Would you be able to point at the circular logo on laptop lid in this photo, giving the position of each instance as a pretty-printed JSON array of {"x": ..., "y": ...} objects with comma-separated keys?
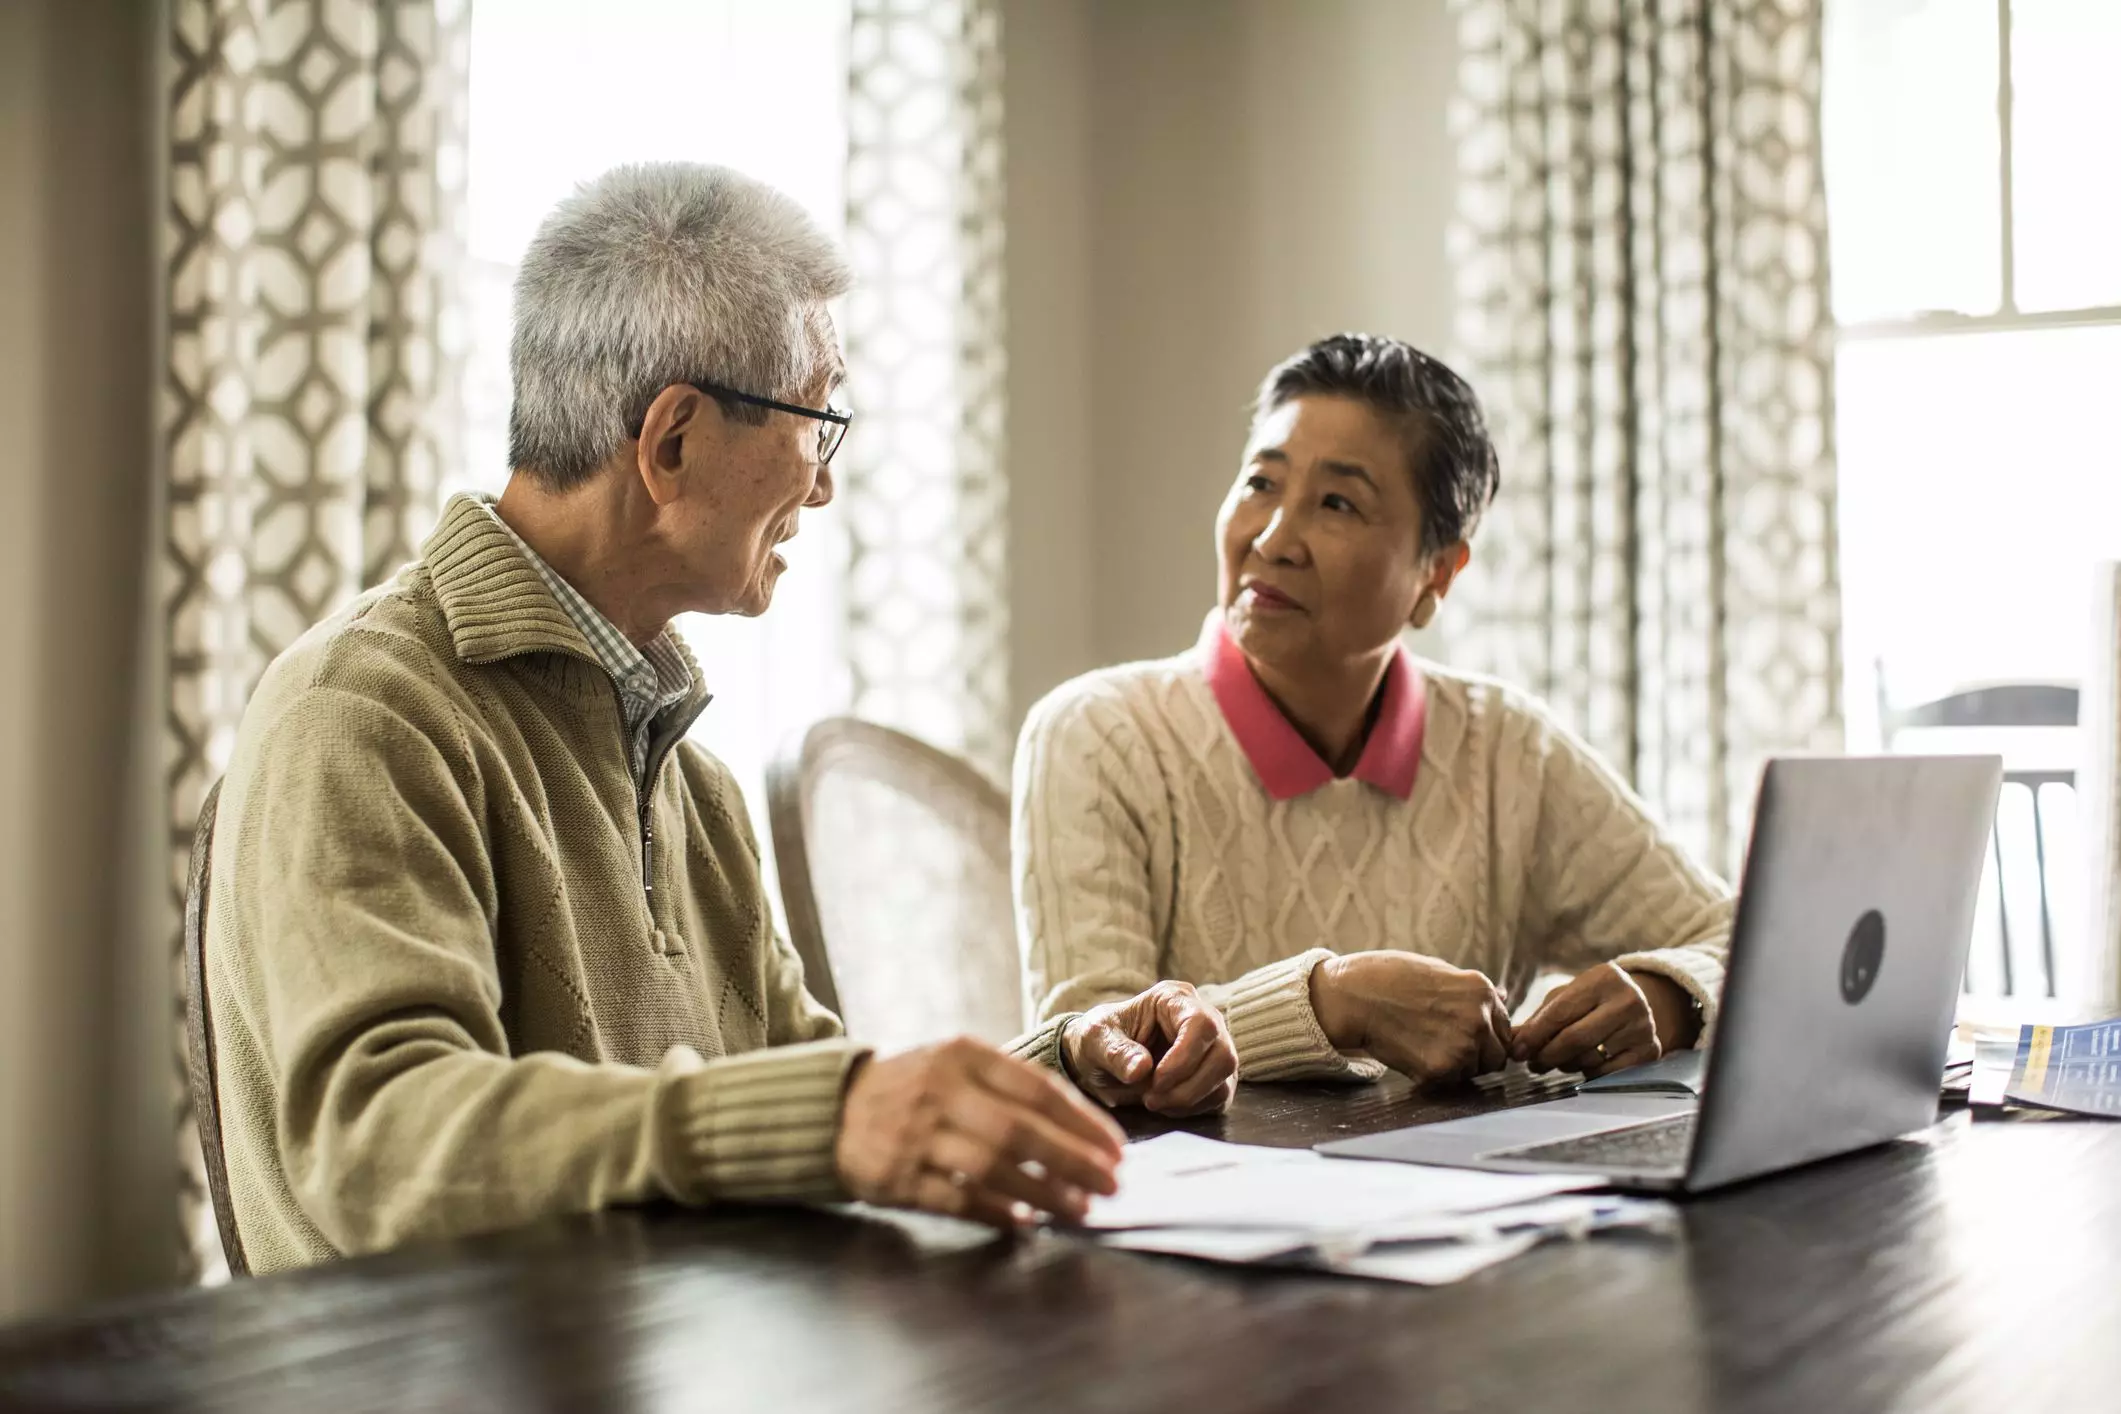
[{"x": 1862, "y": 956}]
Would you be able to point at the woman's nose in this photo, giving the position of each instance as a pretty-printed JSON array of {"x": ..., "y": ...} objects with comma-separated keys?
[{"x": 1281, "y": 540}]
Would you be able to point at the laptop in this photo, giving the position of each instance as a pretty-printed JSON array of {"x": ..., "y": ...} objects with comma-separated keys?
[{"x": 1854, "y": 918}]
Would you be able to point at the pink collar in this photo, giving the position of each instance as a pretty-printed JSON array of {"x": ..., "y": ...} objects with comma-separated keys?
[{"x": 1284, "y": 761}]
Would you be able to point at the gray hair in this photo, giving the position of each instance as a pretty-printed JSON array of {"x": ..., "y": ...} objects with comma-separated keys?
[{"x": 651, "y": 275}]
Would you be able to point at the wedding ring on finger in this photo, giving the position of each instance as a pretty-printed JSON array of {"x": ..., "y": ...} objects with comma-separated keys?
[{"x": 1602, "y": 1051}]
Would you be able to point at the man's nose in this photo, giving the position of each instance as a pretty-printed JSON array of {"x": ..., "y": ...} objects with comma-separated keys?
[{"x": 821, "y": 489}]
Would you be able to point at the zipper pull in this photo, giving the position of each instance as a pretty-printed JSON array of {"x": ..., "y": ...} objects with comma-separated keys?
[{"x": 647, "y": 856}]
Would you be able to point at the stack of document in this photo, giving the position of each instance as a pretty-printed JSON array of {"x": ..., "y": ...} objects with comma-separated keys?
[
  {"x": 1999, "y": 1061},
  {"x": 1194, "y": 1197},
  {"x": 1978, "y": 1067}
]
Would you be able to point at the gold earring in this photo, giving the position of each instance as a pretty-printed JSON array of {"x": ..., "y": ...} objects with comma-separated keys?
[{"x": 1425, "y": 608}]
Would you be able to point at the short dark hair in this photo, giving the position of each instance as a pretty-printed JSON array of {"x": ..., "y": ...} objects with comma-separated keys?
[{"x": 1449, "y": 453}]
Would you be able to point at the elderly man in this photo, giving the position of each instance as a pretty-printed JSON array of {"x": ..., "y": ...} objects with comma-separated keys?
[{"x": 489, "y": 941}]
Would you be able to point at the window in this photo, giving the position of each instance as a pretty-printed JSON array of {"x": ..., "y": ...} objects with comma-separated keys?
[
  {"x": 1975, "y": 197},
  {"x": 1976, "y": 203},
  {"x": 562, "y": 91}
]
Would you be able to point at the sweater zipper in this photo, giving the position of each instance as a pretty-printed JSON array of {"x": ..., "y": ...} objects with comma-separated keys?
[{"x": 658, "y": 751}]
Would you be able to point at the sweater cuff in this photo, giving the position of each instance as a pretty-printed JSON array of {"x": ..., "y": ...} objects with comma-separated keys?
[
  {"x": 1698, "y": 972},
  {"x": 758, "y": 1126},
  {"x": 1277, "y": 1033},
  {"x": 1043, "y": 1046}
]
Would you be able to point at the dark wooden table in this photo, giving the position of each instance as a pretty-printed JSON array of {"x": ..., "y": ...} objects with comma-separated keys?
[{"x": 1977, "y": 1267}]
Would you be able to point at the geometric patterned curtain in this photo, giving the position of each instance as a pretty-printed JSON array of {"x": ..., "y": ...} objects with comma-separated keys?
[
  {"x": 1641, "y": 250},
  {"x": 923, "y": 484},
  {"x": 316, "y": 184}
]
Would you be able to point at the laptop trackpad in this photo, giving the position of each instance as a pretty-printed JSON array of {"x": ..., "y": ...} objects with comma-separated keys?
[{"x": 1461, "y": 1140}]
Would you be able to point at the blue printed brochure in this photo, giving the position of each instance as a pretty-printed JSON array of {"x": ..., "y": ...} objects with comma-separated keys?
[{"x": 2074, "y": 1068}]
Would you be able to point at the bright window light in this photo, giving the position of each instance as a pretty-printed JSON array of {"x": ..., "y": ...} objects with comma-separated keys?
[
  {"x": 1980, "y": 297},
  {"x": 562, "y": 91}
]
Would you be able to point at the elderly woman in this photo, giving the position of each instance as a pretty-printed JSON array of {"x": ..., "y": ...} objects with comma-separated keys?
[{"x": 1364, "y": 859}]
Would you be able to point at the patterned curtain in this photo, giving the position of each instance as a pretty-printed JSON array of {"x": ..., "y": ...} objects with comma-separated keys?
[
  {"x": 1642, "y": 261},
  {"x": 316, "y": 183},
  {"x": 925, "y": 491}
]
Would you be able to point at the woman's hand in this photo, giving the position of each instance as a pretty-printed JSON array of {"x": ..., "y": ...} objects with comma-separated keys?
[
  {"x": 1165, "y": 1050},
  {"x": 1604, "y": 1020},
  {"x": 1426, "y": 1019}
]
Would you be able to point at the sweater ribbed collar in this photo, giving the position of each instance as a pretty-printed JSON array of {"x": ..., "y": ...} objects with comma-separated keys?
[{"x": 498, "y": 605}]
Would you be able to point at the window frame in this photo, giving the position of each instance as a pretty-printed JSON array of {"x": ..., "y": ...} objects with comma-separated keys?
[{"x": 2007, "y": 317}]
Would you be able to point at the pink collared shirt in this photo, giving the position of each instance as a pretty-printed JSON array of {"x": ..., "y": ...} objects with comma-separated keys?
[{"x": 1283, "y": 760}]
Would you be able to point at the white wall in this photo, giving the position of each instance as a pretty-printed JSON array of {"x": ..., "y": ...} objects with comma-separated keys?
[
  {"x": 1197, "y": 189},
  {"x": 85, "y": 999},
  {"x": 1046, "y": 116}
]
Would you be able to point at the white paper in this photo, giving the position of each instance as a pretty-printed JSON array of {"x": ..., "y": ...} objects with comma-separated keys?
[
  {"x": 1441, "y": 1263},
  {"x": 1567, "y": 1215},
  {"x": 1204, "y": 1183},
  {"x": 1179, "y": 1152},
  {"x": 1993, "y": 1063},
  {"x": 1432, "y": 1263},
  {"x": 1212, "y": 1244}
]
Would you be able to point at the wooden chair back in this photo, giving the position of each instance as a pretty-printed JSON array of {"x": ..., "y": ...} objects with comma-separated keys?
[
  {"x": 2018, "y": 854},
  {"x": 199, "y": 1034},
  {"x": 894, "y": 867}
]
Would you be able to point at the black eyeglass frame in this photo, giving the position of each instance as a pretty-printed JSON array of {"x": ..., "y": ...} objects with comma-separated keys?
[{"x": 829, "y": 415}]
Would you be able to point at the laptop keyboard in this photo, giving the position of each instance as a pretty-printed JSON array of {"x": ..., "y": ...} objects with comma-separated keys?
[{"x": 1658, "y": 1145}]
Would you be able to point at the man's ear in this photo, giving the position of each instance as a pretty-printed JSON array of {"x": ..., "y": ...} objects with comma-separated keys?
[{"x": 679, "y": 413}]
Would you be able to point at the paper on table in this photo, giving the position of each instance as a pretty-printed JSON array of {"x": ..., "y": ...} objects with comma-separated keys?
[
  {"x": 1179, "y": 1152},
  {"x": 1423, "y": 1263},
  {"x": 1211, "y": 1184},
  {"x": 1432, "y": 1263},
  {"x": 1571, "y": 1215},
  {"x": 1212, "y": 1244},
  {"x": 1992, "y": 1073},
  {"x": 1566, "y": 1214}
]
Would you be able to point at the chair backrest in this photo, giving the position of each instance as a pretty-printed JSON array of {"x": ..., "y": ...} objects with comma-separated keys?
[
  {"x": 199, "y": 1034},
  {"x": 894, "y": 865},
  {"x": 2028, "y": 816},
  {"x": 2011, "y": 704}
]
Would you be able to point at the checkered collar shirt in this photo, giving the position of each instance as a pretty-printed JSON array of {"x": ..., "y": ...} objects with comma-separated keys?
[{"x": 650, "y": 680}]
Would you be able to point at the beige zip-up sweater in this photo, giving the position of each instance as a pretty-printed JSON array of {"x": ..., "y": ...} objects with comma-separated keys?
[
  {"x": 449, "y": 994},
  {"x": 1147, "y": 846}
]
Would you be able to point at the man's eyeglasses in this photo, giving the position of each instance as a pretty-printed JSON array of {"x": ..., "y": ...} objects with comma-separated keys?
[{"x": 832, "y": 422}]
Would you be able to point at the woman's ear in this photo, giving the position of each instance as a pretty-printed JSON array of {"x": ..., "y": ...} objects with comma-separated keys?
[{"x": 1444, "y": 569}]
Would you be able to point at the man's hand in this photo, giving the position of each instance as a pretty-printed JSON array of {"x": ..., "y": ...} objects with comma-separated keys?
[
  {"x": 1604, "y": 1020},
  {"x": 1165, "y": 1050},
  {"x": 1426, "y": 1019},
  {"x": 961, "y": 1129}
]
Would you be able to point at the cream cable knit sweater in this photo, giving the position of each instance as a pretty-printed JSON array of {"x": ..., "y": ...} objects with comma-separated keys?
[{"x": 1146, "y": 848}]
